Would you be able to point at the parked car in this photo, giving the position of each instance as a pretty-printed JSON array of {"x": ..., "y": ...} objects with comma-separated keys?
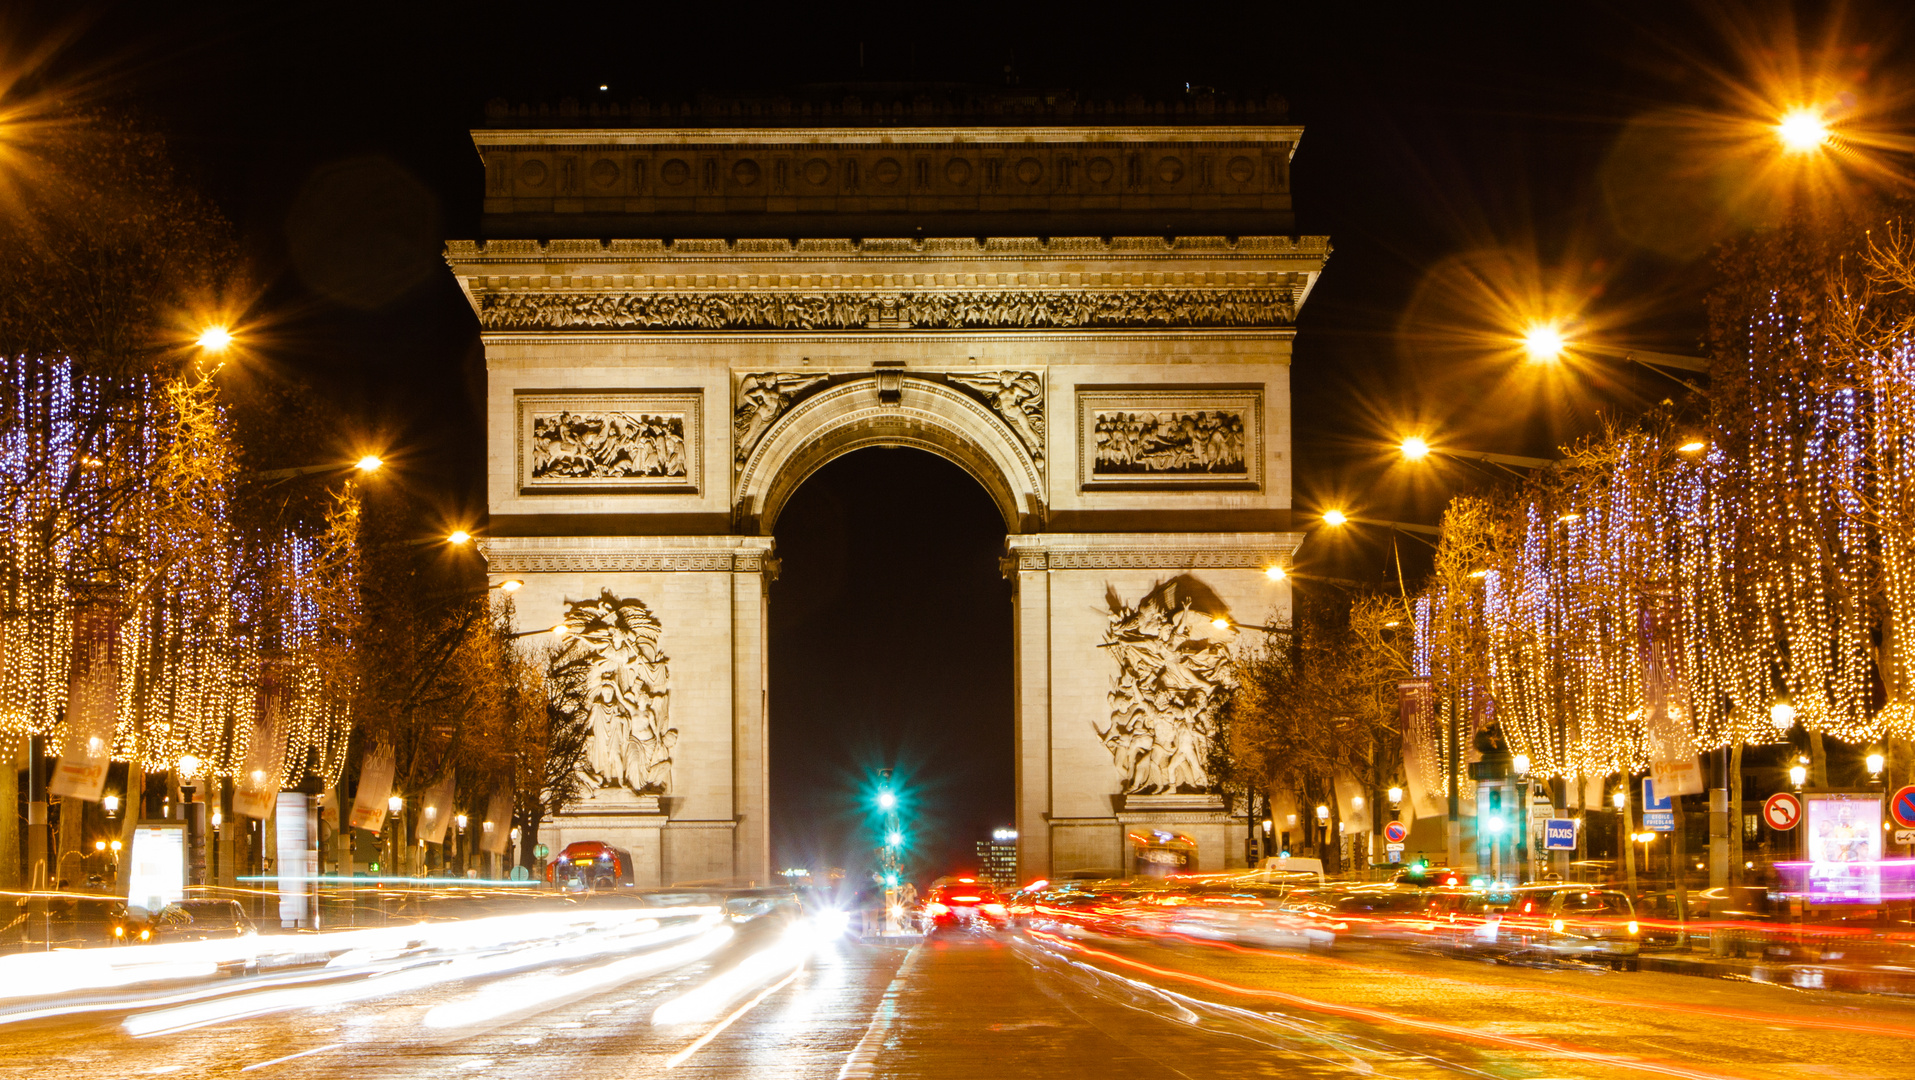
[{"x": 188, "y": 920}]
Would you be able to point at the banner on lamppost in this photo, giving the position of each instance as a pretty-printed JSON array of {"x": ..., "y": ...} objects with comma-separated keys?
[
  {"x": 375, "y": 787},
  {"x": 498, "y": 823},
  {"x": 256, "y": 788},
  {"x": 1665, "y": 698},
  {"x": 435, "y": 811},
  {"x": 92, "y": 707},
  {"x": 1416, "y": 715}
]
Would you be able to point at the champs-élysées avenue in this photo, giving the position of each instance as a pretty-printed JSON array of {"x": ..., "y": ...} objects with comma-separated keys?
[{"x": 860, "y": 542}]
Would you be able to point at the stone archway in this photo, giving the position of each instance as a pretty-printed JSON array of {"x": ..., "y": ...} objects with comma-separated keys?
[{"x": 916, "y": 413}]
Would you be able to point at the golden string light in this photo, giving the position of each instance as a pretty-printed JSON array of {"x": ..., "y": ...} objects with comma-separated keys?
[{"x": 116, "y": 504}]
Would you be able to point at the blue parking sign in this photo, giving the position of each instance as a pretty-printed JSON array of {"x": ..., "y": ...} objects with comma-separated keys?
[
  {"x": 1649, "y": 800},
  {"x": 1559, "y": 834}
]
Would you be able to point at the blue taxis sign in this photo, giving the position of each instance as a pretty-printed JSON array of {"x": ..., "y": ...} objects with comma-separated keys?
[{"x": 1559, "y": 834}]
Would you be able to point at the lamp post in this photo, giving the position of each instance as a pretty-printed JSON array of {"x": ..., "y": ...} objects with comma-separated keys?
[
  {"x": 395, "y": 806},
  {"x": 194, "y": 813}
]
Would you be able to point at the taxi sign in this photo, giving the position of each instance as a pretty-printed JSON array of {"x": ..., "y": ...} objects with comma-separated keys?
[
  {"x": 1782, "y": 811},
  {"x": 1559, "y": 834},
  {"x": 1395, "y": 832},
  {"x": 1902, "y": 807}
]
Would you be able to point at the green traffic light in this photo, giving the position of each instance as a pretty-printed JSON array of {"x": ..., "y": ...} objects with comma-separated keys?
[{"x": 887, "y": 800}]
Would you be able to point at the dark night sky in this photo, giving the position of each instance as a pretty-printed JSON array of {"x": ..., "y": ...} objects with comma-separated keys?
[{"x": 334, "y": 135}]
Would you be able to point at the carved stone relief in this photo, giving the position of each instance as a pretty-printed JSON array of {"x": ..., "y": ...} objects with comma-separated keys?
[
  {"x": 1017, "y": 397},
  {"x": 612, "y": 675},
  {"x": 1174, "y": 672},
  {"x": 636, "y": 440},
  {"x": 762, "y": 398},
  {"x": 966, "y": 310},
  {"x": 1174, "y": 438}
]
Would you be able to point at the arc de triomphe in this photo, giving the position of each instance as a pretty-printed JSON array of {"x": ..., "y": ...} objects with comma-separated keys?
[{"x": 1087, "y": 306}]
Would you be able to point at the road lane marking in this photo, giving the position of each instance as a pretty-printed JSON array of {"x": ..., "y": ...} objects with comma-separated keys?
[
  {"x": 863, "y": 1062},
  {"x": 678, "y": 1059},
  {"x": 293, "y": 1057}
]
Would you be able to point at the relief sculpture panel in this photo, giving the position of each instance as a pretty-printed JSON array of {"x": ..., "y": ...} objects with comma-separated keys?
[
  {"x": 1174, "y": 672},
  {"x": 612, "y": 679},
  {"x": 641, "y": 441},
  {"x": 1197, "y": 438}
]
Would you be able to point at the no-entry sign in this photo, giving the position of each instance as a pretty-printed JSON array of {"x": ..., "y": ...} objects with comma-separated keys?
[
  {"x": 1395, "y": 831},
  {"x": 1782, "y": 811},
  {"x": 1902, "y": 806}
]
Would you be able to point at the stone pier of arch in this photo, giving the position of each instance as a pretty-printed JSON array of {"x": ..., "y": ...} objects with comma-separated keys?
[{"x": 652, "y": 405}]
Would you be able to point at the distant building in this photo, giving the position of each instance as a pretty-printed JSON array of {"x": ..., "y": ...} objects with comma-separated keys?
[{"x": 997, "y": 859}]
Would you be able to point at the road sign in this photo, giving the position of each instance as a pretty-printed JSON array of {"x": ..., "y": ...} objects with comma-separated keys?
[
  {"x": 1396, "y": 856},
  {"x": 1396, "y": 832},
  {"x": 1905, "y": 836},
  {"x": 1782, "y": 811},
  {"x": 1394, "y": 849},
  {"x": 1559, "y": 835},
  {"x": 1902, "y": 806},
  {"x": 1659, "y": 820},
  {"x": 1649, "y": 800}
]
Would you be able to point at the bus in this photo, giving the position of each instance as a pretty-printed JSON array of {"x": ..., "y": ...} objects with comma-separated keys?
[{"x": 590, "y": 864}]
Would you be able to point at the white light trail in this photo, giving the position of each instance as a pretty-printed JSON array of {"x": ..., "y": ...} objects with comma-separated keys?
[{"x": 521, "y": 997}]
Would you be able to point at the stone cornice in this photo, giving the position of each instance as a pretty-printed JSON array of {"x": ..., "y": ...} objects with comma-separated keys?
[
  {"x": 471, "y": 256},
  {"x": 1147, "y": 551},
  {"x": 630, "y": 554},
  {"x": 858, "y": 135}
]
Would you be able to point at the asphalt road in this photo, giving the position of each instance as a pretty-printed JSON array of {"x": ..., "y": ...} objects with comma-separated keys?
[{"x": 987, "y": 1004}]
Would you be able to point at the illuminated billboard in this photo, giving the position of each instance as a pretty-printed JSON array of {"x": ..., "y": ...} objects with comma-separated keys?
[
  {"x": 1842, "y": 838},
  {"x": 158, "y": 872}
]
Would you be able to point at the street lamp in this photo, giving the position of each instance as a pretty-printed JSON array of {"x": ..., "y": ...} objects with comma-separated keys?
[
  {"x": 1875, "y": 761},
  {"x": 1798, "y": 774},
  {"x": 1543, "y": 343},
  {"x": 1782, "y": 715},
  {"x": 1802, "y": 131},
  {"x": 1415, "y": 448},
  {"x": 111, "y": 804},
  {"x": 459, "y": 538},
  {"x": 1620, "y": 798},
  {"x": 215, "y": 339},
  {"x": 1396, "y": 798},
  {"x": 1275, "y": 572},
  {"x": 1335, "y": 517}
]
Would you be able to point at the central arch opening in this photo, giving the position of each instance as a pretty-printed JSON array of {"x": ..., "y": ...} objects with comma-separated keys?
[{"x": 890, "y": 647}]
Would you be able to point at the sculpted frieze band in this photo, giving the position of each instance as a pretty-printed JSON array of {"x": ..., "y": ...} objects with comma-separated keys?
[{"x": 956, "y": 310}]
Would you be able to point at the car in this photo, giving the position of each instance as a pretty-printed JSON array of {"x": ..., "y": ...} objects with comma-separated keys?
[
  {"x": 963, "y": 903},
  {"x": 188, "y": 920}
]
